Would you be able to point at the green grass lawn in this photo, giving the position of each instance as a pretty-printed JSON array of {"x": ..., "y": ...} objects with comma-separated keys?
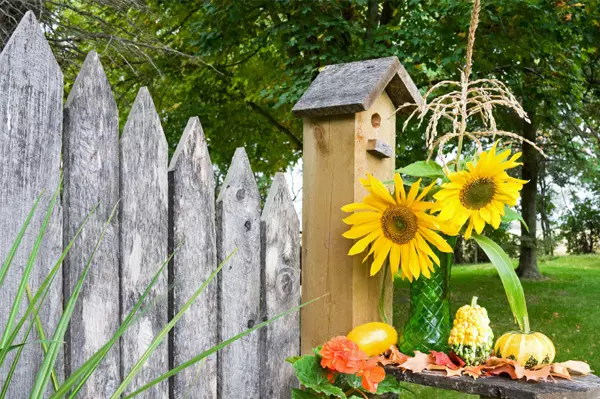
[{"x": 565, "y": 306}]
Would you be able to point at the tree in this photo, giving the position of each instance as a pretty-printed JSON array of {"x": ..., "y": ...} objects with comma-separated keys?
[{"x": 581, "y": 226}]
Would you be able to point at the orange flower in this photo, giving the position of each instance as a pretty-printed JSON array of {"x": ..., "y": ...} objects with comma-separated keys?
[
  {"x": 372, "y": 374},
  {"x": 341, "y": 354}
]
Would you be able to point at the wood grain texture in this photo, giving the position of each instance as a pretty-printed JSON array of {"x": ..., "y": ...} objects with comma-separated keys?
[
  {"x": 238, "y": 227},
  {"x": 91, "y": 176},
  {"x": 31, "y": 95},
  {"x": 280, "y": 237},
  {"x": 587, "y": 387},
  {"x": 334, "y": 159},
  {"x": 144, "y": 158},
  {"x": 192, "y": 216},
  {"x": 347, "y": 88}
]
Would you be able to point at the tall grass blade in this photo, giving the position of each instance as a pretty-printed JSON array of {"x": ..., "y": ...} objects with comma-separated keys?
[
  {"x": 165, "y": 331},
  {"x": 212, "y": 350},
  {"x": 42, "y": 334},
  {"x": 81, "y": 375},
  {"x": 86, "y": 369},
  {"x": 47, "y": 366},
  {"x": 42, "y": 290},
  {"x": 16, "y": 306},
  {"x": 510, "y": 280},
  {"x": 17, "y": 243},
  {"x": 13, "y": 365}
]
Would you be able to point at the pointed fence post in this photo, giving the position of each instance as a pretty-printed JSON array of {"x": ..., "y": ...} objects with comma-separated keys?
[
  {"x": 91, "y": 177},
  {"x": 349, "y": 130},
  {"x": 144, "y": 225},
  {"x": 280, "y": 236},
  {"x": 31, "y": 95},
  {"x": 238, "y": 227},
  {"x": 192, "y": 221}
]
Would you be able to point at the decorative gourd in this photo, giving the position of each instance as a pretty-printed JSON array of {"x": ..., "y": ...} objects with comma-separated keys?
[
  {"x": 530, "y": 349},
  {"x": 471, "y": 338},
  {"x": 374, "y": 338}
]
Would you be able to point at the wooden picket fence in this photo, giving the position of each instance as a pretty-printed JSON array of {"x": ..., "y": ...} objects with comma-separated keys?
[{"x": 161, "y": 207}]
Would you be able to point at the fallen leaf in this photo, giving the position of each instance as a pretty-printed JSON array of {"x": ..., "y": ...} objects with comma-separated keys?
[
  {"x": 576, "y": 367},
  {"x": 454, "y": 373},
  {"x": 560, "y": 371},
  {"x": 395, "y": 357},
  {"x": 436, "y": 367},
  {"x": 540, "y": 374},
  {"x": 505, "y": 369},
  {"x": 418, "y": 363},
  {"x": 456, "y": 359},
  {"x": 441, "y": 359},
  {"x": 474, "y": 371}
]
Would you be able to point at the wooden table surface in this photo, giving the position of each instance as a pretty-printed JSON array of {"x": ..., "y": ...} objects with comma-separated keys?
[{"x": 587, "y": 387}]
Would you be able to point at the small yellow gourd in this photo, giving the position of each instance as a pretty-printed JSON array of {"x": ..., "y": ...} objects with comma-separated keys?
[
  {"x": 374, "y": 338},
  {"x": 530, "y": 349}
]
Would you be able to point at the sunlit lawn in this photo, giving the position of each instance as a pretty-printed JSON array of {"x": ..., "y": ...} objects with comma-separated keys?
[{"x": 565, "y": 306}]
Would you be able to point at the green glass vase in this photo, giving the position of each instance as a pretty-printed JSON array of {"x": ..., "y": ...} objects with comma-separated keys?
[{"x": 429, "y": 324}]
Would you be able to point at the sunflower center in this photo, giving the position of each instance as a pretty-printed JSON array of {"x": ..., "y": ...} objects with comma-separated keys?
[
  {"x": 478, "y": 193},
  {"x": 399, "y": 224}
]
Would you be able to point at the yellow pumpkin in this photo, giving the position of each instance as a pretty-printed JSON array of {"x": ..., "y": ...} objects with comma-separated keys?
[
  {"x": 374, "y": 338},
  {"x": 529, "y": 349}
]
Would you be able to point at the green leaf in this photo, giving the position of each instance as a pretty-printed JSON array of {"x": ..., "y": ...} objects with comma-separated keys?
[
  {"x": 422, "y": 169},
  {"x": 292, "y": 359},
  {"x": 510, "y": 280},
  {"x": 510, "y": 214},
  {"x": 391, "y": 385},
  {"x": 300, "y": 394},
  {"x": 310, "y": 374}
]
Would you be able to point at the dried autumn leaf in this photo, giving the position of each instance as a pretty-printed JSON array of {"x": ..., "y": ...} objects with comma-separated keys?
[
  {"x": 395, "y": 357},
  {"x": 418, "y": 363},
  {"x": 560, "y": 371},
  {"x": 454, "y": 373},
  {"x": 441, "y": 359},
  {"x": 436, "y": 367},
  {"x": 456, "y": 359},
  {"x": 577, "y": 367},
  {"x": 505, "y": 369},
  {"x": 474, "y": 371},
  {"x": 540, "y": 374}
]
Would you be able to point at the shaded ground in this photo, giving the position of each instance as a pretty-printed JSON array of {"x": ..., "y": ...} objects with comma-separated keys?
[{"x": 565, "y": 306}]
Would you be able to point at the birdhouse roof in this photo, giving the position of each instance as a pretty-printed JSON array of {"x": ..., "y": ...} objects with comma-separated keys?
[{"x": 354, "y": 86}]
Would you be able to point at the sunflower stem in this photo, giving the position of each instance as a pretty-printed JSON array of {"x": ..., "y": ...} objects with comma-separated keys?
[{"x": 382, "y": 314}]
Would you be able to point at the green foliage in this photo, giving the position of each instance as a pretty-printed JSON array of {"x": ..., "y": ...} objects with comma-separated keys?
[
  {"x": 580, "y": 227},
  {"x": 423, "y": 169},
  {"x": 510, "y": 280},
  {"x": 314, "y": 377}
]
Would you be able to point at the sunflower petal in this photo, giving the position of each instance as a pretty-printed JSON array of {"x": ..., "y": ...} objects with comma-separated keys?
[
  {"x": 412, "y": 194},
  {"x": 362, "y": 217},
  {"x": 363, "y": 229},
  {"x": 361, "y": 244},
  {"x": 399, "y": 187},
  {"x": 395, "y": 259},
  {"x": 415, "y": 267},
  {"x": 358, "y": 206},
  {"x": 435, "y": 239},
  {"x": 405, "y": 262},
  {"x": 379, "y": 190},
  {"x": 380, "y": 257}
]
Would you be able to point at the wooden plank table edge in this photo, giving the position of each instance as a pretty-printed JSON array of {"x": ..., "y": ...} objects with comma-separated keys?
[{"x": 583, "y": 387}]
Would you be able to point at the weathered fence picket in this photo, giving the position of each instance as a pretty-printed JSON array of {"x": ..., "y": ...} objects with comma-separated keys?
[
  {"x": 238, "y": 228},
  {"x": 160, "y": 208},
  {"x": 281, "y": 263},
  {"x": 31, "y": 94},
  {"x": 192, "y": 219},
  {"x": 91, "y": 177},
  {"x": 144, "y": 185}
]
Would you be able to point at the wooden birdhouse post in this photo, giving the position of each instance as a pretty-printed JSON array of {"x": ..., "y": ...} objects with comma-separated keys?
[{"x": 349, "y": 130}]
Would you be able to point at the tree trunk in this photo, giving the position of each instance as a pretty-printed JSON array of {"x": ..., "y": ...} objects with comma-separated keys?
[
  {"x": 372, "y": 18},
  {"x": 544, "y": 198},
  {"x": 528, "y": 267}
]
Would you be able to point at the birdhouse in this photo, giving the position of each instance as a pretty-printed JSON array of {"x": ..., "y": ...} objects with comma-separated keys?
[{"x": 349, "y": 130}]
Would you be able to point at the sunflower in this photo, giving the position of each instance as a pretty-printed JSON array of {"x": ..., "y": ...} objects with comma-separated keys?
[
  {"x": 479, "y": 193},
  {"x": 396, "y": 226}
]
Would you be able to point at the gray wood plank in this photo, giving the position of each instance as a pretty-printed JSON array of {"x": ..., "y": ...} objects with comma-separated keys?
[
  {"x": 144, "y": 157},
  {"x": 91, "y": 176},
  {"x": 192, "y": 217},
  {"x": 587, "y": 387},
  {"x": 238, "y": 226},
  {"x": 280, "y": 238},
  {"x": 31, "y": 95}
]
